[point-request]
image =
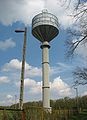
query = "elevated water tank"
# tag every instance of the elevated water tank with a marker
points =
(45, 26)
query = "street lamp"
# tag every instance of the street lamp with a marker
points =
(15, 101)
(23, 68)
(76, 96)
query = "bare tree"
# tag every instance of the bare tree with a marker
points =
(79, 31)
(77, 36)
(80, 75)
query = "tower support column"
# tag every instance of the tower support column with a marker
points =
(45, 75)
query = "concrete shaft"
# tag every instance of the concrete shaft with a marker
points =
(45, 75)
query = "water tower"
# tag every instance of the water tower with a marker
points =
(45, 27)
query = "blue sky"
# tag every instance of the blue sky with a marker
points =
(17, 16)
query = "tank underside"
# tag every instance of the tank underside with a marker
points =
(45, 32)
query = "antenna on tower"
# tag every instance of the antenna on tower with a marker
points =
(45, 4)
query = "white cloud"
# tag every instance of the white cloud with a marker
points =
(60, 67)
(10, 99)
(5, 44)
(4, 79)
(63, 65)
(31, 71)
(81, 50)
(12, 65)
(9, 96)
(6, 99)
(85, 93)
(15, 65)
(19, 10)
(24, 10)
(14, 68)
(35, 87)
(58, 88)
(34, 71)
(2, 102)
(61, 12)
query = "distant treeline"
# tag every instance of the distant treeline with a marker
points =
(62, 103)
(35, 111)
(66, 102)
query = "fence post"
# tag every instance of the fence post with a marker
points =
(42, 114)
(4, 115)
(23, 115)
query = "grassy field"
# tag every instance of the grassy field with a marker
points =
(80, 116)
(8, 115)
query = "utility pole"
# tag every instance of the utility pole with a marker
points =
(23, 68)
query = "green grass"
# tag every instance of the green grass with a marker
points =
(80, 116)
(37, 115)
